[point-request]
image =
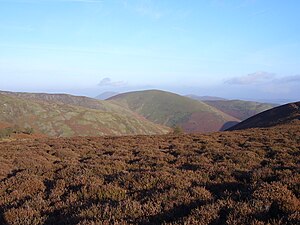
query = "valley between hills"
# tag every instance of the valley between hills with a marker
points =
(77, 160)
(134, 113)
(149, 112)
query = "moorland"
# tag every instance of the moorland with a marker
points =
(238, 177)
(123, 168)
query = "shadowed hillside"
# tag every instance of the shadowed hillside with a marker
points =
(239, 177)
(56, 118)
(278, 115)
(171, 109)
(240, 109)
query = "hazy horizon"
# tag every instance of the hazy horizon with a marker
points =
(243, 49)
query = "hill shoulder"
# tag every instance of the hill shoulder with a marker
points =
(276, 116)
(171, 109)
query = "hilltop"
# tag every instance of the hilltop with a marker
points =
(66, 115)
(171, 109)
(279, 115)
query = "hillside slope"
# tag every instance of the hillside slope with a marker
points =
(82, 101)
(272, 117)
(55, 118)
(171, 109)
(240, 109)
(241, 177)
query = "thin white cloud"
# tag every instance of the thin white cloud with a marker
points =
(145, 8)
(59, 49)
(107, 82)
(253, 78)
(118, 51)
(22, 28)
(52, 1)
(259, 13)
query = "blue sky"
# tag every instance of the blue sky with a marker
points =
(231, 48)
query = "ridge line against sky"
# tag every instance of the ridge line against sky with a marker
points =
(223, 48)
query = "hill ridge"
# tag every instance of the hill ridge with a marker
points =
(172, 109)
(239, 108)
(279, 115)
(55, 118)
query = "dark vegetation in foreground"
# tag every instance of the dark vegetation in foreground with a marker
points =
(240, 177)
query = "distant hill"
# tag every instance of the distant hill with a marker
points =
(53, 116)
(82, 101)
(171, 109)
(273, 101)
(279, 115)
(205, 98)
(106, 95)
(240, 109)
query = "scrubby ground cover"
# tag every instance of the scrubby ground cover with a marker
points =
(240, 177)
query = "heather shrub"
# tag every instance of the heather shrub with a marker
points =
(244, 177)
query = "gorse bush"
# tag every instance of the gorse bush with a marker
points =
(6, 132)
(9, 131)
(28, 130)
(177, 130)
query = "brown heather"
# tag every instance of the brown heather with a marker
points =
(240, 177)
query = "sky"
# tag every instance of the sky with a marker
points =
(246, 49)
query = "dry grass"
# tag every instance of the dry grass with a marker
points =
(242, 177)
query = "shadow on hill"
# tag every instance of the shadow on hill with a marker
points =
(228, 124)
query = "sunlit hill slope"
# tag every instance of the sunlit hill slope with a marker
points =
(174, 110)
(71, 116)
